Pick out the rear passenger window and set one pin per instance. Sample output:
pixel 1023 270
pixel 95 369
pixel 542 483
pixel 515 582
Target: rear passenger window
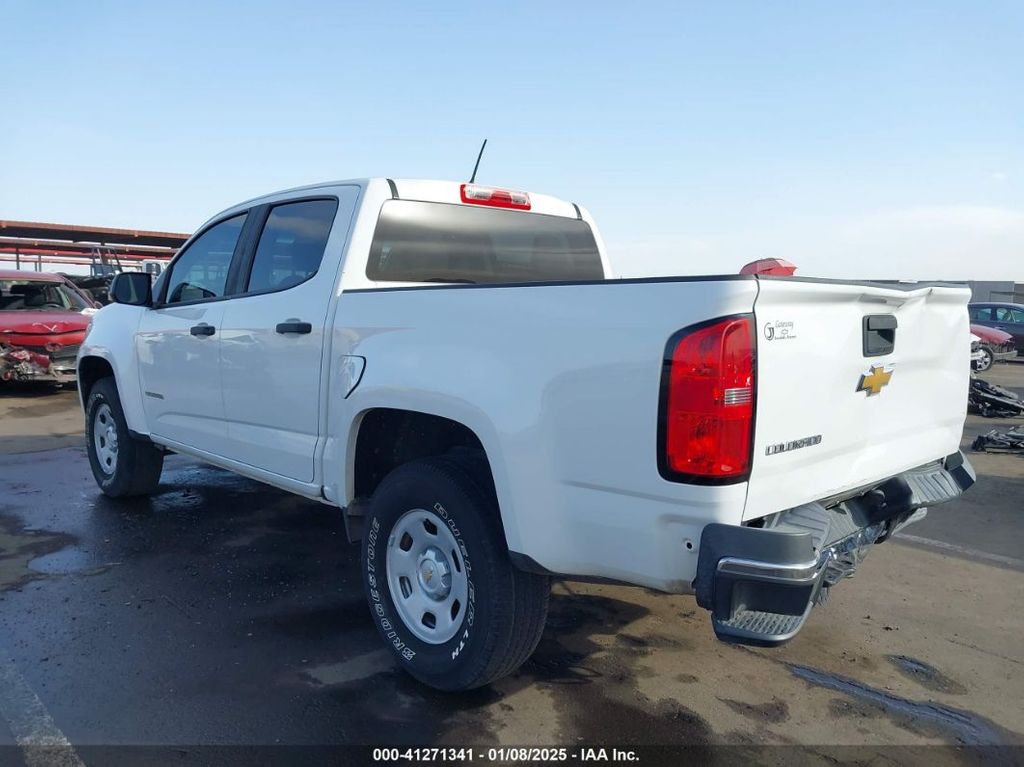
pixel 983 314
pixel 201 271
pixel 292 244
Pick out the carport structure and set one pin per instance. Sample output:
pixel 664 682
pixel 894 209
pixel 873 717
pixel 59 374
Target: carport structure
pixel 35 245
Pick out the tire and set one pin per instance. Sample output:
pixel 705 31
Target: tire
pixel 498 626
pixel 122 465
pixel 985 361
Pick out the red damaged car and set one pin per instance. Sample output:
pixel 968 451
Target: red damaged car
pixel 996 346
pixel 43 319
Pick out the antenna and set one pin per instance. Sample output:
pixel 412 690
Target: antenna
pixel 472 179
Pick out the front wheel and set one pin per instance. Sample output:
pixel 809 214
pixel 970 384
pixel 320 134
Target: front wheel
pixel 985 361
pixel 122 465
pixel 442 590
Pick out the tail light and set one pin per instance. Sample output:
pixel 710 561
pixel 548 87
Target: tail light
pixel 496 198
pixel 706 424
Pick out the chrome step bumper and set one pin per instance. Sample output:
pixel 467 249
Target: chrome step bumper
pixel 760 583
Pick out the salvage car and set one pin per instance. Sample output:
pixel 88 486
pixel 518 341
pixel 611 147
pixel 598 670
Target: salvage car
pixel 1007 317
pixel 993 346
pixel 43 318
pixel 96 286
pixel 457 368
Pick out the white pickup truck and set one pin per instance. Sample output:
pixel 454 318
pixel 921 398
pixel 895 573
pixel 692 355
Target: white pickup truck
pixel 457 369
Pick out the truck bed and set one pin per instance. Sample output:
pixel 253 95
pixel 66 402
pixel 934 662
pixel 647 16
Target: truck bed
pixel 561 383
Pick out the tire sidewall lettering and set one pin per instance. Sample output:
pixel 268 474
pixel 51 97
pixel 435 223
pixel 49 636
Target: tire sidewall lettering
pixel 409 648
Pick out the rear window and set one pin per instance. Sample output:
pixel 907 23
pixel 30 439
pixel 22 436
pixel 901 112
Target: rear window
pixel 436 242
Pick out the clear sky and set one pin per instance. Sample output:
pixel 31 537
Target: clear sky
pixel 859 139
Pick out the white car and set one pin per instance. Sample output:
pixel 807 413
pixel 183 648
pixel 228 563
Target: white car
pixel 456 368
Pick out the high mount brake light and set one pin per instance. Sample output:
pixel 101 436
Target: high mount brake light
pixel 706 423
pixel 770 267
pixel 496 198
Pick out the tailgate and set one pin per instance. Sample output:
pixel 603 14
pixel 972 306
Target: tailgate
pixel 832 415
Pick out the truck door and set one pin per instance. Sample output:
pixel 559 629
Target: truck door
pixel 273 337
pixel 178 342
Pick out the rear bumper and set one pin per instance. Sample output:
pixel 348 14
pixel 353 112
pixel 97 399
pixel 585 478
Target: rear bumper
pixel 760 583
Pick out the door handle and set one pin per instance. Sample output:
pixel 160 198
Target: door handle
pixel 294 326
pixel 202 329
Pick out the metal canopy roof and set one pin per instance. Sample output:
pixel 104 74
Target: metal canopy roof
pixel 80 248
pixel 101 235
pixel 68 243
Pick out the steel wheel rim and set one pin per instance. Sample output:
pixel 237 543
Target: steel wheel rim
pixel 427 576
pixel 104 438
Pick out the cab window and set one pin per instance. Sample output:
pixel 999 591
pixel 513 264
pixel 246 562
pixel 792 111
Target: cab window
pixel 291 245
pixel 201 271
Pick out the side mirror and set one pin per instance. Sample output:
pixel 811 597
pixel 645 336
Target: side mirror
pixel 132 288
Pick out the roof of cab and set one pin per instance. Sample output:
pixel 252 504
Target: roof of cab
pixel 424 190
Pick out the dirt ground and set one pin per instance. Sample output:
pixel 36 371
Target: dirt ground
pixel 37 417
pixel 223 611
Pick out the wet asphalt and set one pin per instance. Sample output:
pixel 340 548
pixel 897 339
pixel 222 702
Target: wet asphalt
pixel 218 591
pixel 223 611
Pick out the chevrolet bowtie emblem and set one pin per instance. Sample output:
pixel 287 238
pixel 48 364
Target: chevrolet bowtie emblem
pixel 873 381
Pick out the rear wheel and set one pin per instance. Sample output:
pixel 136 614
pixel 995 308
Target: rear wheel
pixel 122 465
pixel 442 590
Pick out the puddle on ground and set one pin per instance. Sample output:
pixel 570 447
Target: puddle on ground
pixel 69 561
pixel 963 727
pixel 925 675
pixel 354 669
pixel 20 546
pixel 61 562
